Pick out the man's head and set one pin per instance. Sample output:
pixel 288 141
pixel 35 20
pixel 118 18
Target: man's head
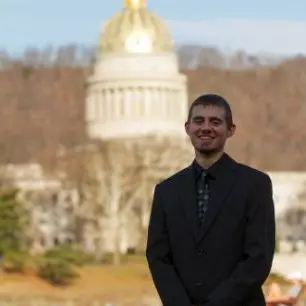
pixel 209 124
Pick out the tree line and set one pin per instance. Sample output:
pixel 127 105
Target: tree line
pixel 42 96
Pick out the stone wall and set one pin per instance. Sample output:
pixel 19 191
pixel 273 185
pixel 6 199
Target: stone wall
pixel 290 208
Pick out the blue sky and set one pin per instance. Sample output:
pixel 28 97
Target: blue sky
pixel 270 26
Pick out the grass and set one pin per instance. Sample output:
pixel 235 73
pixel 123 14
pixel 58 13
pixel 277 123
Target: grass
pixel 129 282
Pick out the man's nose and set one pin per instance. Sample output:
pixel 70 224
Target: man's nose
pixel 206 126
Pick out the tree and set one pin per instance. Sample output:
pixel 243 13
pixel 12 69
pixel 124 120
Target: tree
pixel 12 222
pixel 115 180
pixel 155 158
pixel 100 173
pixel 43 93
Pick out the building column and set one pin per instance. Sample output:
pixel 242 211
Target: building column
pixel 101 114
pixel 89 107
pixel 184 103
pixel 156 102
pixel 128 102
pixel 137 102
pixel 115 102
pixel 175 105
pixel 168 104
pixel 104 105
pixel 108 104
pixel 121 101
pixel 95 106
pixel 147 102
pixel 163 103
pixel 141 102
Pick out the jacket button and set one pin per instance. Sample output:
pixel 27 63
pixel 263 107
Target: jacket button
pixel 199 284
pixel 201 252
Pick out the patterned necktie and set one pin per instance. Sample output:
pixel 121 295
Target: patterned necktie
pixel 202 196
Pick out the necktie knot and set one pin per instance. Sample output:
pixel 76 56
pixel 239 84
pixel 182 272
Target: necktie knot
pixel 203 176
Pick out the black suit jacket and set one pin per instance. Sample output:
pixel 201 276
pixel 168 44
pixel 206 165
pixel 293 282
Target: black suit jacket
pixel 225 262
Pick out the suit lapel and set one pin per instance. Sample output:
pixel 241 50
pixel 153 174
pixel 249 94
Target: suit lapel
pixel 224 179
pixel 187 194
pixel 220 187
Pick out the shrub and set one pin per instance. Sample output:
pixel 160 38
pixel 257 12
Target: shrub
pixel 13 220
pixel 70 255
pixel 57 271
pixel 14 261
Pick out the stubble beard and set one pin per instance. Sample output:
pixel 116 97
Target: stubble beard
pixel 209 152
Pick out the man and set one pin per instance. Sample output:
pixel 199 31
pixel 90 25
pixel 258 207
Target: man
pixel 211 235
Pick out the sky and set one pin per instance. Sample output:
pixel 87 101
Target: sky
pixel 260 26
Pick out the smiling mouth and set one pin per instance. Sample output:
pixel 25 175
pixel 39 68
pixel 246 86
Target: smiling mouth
pixel 207 138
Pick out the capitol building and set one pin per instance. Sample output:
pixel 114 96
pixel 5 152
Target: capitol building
pixel 135 88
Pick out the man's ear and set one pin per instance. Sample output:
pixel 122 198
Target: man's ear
pixel 186 127
pixel 231 131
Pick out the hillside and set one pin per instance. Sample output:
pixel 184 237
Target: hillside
pixel 42 103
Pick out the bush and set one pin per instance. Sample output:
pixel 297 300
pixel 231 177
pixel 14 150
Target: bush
pixel 14 262
pixel 70 255
pixel 57 271
pixel 13 221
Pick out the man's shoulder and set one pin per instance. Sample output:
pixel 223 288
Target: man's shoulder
pixel 253 173
pixel 173 179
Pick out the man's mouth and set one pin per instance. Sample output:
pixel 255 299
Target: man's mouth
pixel 206 138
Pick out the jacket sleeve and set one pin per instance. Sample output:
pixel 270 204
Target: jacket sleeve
pixel 159 257
pixel 259 246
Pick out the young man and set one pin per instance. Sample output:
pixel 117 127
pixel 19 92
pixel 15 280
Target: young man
pixel 211 235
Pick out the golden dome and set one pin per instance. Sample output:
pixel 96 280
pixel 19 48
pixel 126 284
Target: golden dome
pixel 134 4
pixel 135 29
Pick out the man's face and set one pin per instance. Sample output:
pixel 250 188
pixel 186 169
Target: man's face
pixel 207 129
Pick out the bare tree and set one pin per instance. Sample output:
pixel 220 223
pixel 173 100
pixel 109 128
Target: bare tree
pixel 42 98
pixel 154 160
pixel 115 180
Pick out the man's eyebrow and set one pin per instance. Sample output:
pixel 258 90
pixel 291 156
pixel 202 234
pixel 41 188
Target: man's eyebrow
pixel 210 118
pixel 216 118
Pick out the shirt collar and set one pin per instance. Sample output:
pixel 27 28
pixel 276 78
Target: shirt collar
pixel 216 169
pixel 197 169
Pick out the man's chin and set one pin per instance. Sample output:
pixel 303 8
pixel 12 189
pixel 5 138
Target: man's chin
pixel 208 151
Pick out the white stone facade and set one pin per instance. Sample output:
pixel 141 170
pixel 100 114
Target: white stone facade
pixel 54 211
pixel 132 95
pixel 28 176
pixel 288 188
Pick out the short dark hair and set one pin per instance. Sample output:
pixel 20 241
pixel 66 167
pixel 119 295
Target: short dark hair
pixel 214 100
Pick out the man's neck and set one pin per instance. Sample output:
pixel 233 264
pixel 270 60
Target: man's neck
pixel 207 161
